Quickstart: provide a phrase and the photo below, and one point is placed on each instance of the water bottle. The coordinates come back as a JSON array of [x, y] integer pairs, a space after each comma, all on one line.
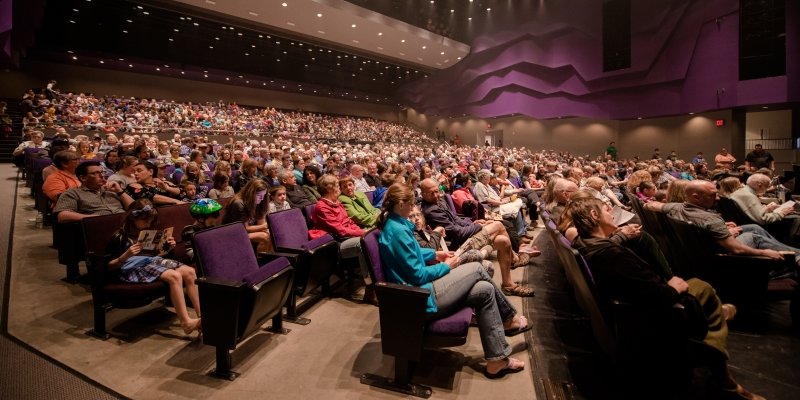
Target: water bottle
[[39, 220]]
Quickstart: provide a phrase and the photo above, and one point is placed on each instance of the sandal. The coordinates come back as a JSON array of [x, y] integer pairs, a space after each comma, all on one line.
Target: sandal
[[513, 366], [193, 325], [518, 290], [522, 260], [520, 329]]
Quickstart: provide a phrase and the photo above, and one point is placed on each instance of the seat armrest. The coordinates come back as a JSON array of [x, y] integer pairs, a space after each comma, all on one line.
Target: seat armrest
[[219, 283], [402, 317], [405, 290], [267, 257], [287, 249]]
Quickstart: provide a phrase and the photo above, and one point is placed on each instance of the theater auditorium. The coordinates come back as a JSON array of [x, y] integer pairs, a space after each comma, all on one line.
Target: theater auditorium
[[473, 199]]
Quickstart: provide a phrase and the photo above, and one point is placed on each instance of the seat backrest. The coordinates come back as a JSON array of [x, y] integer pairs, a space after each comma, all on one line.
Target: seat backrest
[[370, 245], [97, 231], [288, 227], [730, 211], [169, 169], [308, 211], [225, 252], [177, 177], [370, 195], [449, 199], [176, 216]]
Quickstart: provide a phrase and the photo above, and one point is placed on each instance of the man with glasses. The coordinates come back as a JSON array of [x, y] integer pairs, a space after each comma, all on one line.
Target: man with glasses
[[93, 197]]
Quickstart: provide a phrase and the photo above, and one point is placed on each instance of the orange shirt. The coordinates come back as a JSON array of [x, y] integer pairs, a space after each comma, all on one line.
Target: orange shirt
[[57, 183]]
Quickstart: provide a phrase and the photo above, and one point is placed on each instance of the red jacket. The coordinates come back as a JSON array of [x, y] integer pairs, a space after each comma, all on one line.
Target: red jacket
[[331, 217]]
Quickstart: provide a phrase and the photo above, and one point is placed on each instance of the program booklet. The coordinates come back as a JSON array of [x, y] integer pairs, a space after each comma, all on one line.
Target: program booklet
[[620, 216], [154, 242], [789, 205]]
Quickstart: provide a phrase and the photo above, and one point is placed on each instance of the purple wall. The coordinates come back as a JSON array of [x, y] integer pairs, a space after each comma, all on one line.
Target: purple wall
[[684, 58]]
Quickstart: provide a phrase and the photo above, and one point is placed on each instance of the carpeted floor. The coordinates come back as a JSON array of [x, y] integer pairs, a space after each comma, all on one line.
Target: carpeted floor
[[763, 356], [148, 357]]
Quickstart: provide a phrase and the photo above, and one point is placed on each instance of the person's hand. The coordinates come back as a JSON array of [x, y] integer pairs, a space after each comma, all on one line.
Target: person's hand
[[480, 222], [730, 224], [631, 230], [113, 187], [678, 284], [787, 211], [771, 207], [135, 249], [735, 231], [160, 183], [772, 254], [442, 256], [439, 229], [171, 241], [504, 200], [452, 262]]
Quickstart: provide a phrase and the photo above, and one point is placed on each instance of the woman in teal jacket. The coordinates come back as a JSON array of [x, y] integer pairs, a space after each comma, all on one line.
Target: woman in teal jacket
[[404, 262]]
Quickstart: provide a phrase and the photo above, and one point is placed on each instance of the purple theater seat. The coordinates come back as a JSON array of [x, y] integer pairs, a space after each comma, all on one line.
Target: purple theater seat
[[405, 330], [316, 259], [236, 294]]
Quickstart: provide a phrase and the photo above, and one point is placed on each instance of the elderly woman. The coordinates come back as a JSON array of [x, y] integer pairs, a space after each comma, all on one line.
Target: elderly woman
[[330, 216], [358, 207], [450, 288], [506, 207]]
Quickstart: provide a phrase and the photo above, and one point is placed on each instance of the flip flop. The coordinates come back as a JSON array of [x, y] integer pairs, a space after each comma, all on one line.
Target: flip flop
[[508, 369], [516, 331], [531, 250]]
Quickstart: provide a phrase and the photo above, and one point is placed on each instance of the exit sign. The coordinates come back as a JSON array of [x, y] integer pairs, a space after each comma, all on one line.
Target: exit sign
[[720, 122]]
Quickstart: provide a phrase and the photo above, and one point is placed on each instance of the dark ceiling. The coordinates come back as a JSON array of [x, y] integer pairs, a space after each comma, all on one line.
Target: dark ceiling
[[163, 38]]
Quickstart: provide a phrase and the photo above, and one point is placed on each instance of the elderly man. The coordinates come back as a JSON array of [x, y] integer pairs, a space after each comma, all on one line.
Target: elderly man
[[36, 142], [562, 189], [747, 197], [294, 193], [357, 172], [458, 231], [742, 240]]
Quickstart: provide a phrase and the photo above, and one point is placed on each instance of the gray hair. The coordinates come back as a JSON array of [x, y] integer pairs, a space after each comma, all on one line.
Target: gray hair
[[484, 173]]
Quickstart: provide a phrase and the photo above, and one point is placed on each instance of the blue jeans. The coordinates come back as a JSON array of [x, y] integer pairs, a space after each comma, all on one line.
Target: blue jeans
[[758, 238], [470, 285]]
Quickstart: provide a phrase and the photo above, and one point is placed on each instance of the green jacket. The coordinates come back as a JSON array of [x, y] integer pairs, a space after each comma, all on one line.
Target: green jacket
[[360, 210]]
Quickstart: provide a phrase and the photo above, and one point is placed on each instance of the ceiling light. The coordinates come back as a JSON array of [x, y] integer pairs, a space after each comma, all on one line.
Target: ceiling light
[[489, 9], [166, 66], [284, 4], [124, 31], [424, 47], [227, 79], [158, 69], [290, 23], [102, 62], [260, 36], [75, 9], [442, 53], [211, 2], [240, 33], [130, 65], [459, 58], [402, 54], [195, 24], [470, 18], [452, 11], [176, 30], [380, 48], [278, 60], [145, 13], [380, 33], [74, 57], [247, 54], [319, 15], [129, 21], [225, 27], [253, 46], [355, 41], [210, 47], [71, 21], [253, 14], [205, 76], [321, 32], [183, 73], [353, 26], [171, 39], [122, 59], [402, 40], [241, 76]]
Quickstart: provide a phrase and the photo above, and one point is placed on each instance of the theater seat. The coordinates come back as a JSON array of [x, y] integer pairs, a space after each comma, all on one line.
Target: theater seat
[[108, 291], [237, 295], [404, 328], [315, 262]]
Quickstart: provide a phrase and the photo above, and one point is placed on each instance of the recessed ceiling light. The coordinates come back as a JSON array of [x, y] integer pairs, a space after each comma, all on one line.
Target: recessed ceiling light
[[205, 76], [278, 60], [240, 33], [227, 79], [355, 41], [145, 13], [442, 53], [210, 47], [402, 54], [129, 21], [211, 2], [130, 65], [102, 62], [319, 15], [321, 32], [216, 38], [121, 59], [380, 48], [402, 40], [290, 23], [124, 31], [424, 47], [71, 21], [253, 14], [284, 4], [247, 54], [488, 9], [183, 73], [195, 24], [353, 26], [246, 81], [253, 46], [74, 57], [176, 30], [470, 18], [459, 58], [452, 11], [70, 51], [158, 69], [380, 33], [166, 66], [260, 36]]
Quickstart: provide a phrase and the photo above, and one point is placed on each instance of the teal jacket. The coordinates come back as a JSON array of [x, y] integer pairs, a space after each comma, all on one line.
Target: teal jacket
[[360, 210], [404, 261]]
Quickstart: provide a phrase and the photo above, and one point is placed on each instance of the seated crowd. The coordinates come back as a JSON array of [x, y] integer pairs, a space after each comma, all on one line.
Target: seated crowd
[[406, 190]]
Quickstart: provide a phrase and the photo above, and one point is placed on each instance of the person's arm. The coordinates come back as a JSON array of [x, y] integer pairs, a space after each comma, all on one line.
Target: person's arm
[[738, 248], [53, 187], [412, 269], [656, 206], [161, 199]]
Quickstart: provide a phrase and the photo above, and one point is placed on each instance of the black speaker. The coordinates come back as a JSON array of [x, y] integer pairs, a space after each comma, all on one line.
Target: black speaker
[[616, 35], [762, 38]]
